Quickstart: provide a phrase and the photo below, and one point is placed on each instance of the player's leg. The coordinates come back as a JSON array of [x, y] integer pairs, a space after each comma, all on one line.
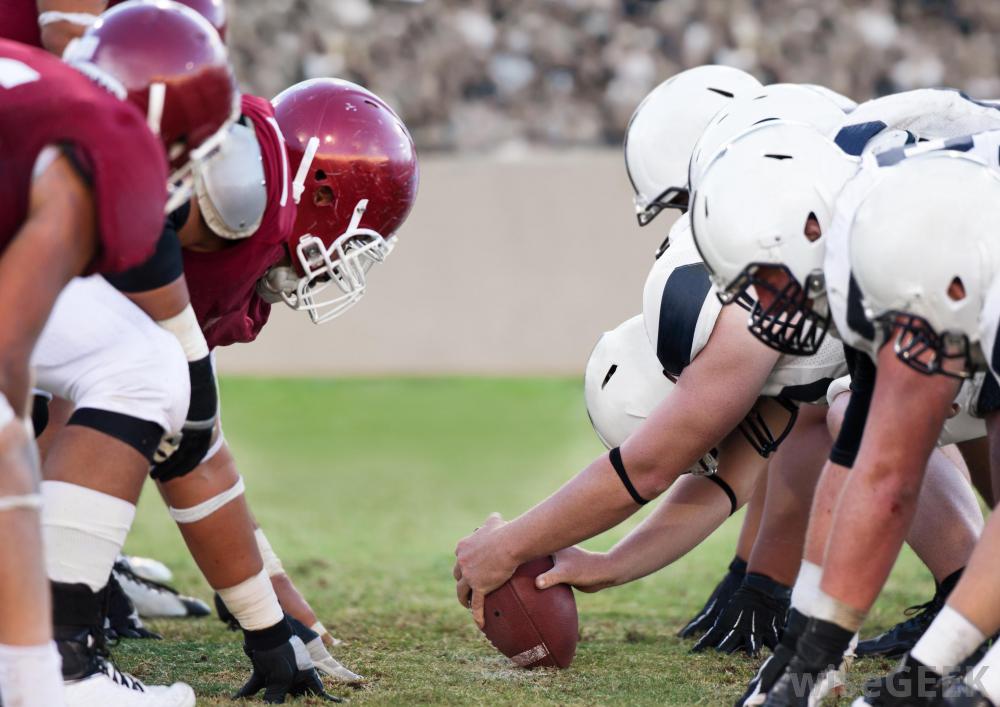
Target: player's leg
[[47, 252], [127, 378], [211, 511], [872, 517]]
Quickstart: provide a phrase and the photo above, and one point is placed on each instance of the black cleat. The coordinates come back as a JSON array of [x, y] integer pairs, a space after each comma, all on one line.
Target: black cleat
[[901, 638], [910, 684], [963, 695]]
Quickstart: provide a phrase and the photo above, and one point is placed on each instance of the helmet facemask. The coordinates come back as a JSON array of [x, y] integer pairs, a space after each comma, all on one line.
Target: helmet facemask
[[669, 198], [921, 348], [340, 268]]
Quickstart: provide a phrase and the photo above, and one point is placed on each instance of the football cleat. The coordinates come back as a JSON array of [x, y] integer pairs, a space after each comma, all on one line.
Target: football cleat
[[899, 639], [910, 684], [121, 619], [155, 600], [147, 568], [92, 679], [717, 601], [963, 695]]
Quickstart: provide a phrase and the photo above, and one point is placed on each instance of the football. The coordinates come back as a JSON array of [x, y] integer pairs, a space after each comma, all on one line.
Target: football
[[534, 628]]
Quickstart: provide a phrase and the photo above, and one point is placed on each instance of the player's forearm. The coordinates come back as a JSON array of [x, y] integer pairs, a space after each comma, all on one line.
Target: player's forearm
[[64, 20], [693, 509]]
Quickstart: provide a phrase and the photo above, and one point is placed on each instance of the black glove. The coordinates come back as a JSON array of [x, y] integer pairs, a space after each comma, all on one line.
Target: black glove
[[717, 601], [752, 619], [196, 436], [280, 669]]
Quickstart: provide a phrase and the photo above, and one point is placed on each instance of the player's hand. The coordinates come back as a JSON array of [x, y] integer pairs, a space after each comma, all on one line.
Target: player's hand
[[753, 619], [484, 562], [282, 671], [579, 568], [717, 601]]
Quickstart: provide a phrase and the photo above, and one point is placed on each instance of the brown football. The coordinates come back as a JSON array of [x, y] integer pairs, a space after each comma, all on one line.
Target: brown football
[[534, 628]]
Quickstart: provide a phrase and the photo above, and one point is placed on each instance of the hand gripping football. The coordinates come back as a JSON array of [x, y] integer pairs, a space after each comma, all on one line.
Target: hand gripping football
[[534, 628]]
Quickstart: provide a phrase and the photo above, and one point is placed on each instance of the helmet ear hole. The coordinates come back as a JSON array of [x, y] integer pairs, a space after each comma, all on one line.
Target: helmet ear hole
[[812, 230], [320, 175], [956, 289], [324, 196]]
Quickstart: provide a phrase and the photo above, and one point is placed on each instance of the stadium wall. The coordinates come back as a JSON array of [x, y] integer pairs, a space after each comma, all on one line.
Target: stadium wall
[[506, 266]]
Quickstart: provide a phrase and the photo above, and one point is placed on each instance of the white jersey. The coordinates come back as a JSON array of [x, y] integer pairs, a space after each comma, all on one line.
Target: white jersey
[[680, 308], [845, 298]]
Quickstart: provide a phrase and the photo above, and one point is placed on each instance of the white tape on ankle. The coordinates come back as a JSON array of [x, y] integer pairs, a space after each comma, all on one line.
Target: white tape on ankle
[[206, 508]]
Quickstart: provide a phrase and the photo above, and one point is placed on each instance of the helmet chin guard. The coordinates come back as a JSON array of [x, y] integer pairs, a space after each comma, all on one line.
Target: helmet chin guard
[[340, 269]]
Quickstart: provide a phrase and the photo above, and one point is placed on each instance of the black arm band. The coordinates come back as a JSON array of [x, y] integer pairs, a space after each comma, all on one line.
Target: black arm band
[[615, 457], [160, 269], [727, 489]]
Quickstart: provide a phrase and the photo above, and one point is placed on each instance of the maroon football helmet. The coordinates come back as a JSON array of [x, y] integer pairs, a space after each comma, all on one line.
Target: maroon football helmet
[[355, 183], [171, 63], [212, 10]]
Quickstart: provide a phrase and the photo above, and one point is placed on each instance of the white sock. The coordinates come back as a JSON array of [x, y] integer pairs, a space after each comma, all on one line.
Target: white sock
[[31, 676], [985, 677], [83, 531], [950, 639], [253, 602], [806, 588]]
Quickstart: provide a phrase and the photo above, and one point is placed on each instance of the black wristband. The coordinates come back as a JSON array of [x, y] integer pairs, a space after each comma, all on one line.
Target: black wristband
[[267, 638], [204, 399], [727, 489], [764, 584], [738, 565], [615, 457]]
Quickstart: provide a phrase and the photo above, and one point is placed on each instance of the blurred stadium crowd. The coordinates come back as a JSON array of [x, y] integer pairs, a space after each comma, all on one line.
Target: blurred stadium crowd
[[505, 74]]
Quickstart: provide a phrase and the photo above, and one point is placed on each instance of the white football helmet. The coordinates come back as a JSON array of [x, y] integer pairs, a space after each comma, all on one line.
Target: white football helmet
[[664, 128], [925, 250], [766, 200], [843, 102], [624, 382], [780, 101]]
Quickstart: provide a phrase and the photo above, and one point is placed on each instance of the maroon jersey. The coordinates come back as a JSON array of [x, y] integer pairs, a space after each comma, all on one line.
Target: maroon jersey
[[45, 102], [19, 22], [223, 284]]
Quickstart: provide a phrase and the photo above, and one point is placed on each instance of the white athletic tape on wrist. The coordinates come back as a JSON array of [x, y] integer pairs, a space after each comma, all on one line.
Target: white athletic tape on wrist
[[84, 19], [185, 327], [253, 602], [806, 587], [319, 628], [206, 508], [949, 640], [272, 564]]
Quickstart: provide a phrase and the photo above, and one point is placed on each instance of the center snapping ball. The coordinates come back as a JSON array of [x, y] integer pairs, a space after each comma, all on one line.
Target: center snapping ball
[[534, 628]]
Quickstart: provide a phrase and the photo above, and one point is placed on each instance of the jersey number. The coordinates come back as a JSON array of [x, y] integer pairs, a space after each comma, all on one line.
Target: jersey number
[[14, 73]]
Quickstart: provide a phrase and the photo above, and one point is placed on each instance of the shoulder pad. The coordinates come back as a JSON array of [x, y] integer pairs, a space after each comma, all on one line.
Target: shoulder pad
[[231, 187]]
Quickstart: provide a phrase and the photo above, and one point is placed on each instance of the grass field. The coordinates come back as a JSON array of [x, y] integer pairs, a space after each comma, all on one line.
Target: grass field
[[363, 487]]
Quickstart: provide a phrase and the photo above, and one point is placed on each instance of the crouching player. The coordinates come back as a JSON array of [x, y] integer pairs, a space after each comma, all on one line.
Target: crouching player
[[780, 252], [65, 175]]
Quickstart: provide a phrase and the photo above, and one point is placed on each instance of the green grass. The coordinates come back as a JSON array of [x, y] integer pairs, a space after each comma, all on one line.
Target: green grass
[[364, 486]]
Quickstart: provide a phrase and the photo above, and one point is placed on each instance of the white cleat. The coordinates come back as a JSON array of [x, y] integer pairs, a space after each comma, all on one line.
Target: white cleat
[[117, 689], [153, 600], [147, 568]]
